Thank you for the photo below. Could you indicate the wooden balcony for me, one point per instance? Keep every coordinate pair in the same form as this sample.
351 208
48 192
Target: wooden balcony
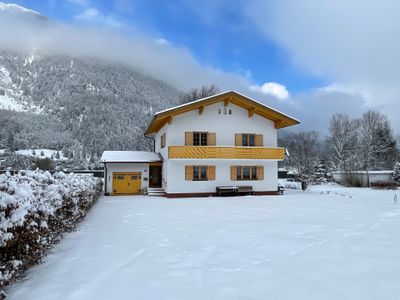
215 152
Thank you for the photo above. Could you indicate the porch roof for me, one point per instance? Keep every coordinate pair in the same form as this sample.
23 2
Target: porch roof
129 156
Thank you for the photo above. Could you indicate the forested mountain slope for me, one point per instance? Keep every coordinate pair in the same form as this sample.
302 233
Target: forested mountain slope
75 104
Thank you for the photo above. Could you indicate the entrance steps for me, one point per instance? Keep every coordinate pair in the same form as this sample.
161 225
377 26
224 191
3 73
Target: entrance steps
158 192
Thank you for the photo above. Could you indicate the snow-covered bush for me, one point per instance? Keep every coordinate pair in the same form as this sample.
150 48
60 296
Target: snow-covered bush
36 208
396 171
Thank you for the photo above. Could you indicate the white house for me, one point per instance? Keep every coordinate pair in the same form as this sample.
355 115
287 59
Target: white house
226 142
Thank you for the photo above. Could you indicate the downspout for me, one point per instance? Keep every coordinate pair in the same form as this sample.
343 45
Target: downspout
105 179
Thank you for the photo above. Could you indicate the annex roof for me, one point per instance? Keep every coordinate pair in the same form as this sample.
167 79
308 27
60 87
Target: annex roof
129 156
254 107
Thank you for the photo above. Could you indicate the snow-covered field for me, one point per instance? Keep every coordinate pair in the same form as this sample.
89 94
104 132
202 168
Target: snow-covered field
328 243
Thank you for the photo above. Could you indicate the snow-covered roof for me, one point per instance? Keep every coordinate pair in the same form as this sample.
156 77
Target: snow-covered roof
129 156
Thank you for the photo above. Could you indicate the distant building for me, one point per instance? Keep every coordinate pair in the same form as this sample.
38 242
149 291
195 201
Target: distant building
362 178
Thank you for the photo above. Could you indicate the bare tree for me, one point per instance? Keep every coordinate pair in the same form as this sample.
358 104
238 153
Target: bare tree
198 93
377 144
342 141
305 153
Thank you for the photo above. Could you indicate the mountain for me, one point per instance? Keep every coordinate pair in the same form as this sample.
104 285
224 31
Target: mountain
83 106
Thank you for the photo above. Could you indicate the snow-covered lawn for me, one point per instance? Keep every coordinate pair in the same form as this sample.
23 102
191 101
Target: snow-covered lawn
344 244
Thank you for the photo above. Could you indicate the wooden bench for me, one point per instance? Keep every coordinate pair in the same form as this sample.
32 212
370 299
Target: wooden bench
245 190
235 190
227 190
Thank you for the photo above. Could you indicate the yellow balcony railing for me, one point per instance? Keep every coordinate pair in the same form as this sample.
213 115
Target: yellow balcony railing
215 152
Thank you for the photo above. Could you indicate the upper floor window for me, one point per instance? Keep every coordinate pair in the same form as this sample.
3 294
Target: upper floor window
163 140
200 139
248 139
224 111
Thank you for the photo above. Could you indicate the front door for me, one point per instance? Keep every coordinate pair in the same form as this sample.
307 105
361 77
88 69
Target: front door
126 183
155 176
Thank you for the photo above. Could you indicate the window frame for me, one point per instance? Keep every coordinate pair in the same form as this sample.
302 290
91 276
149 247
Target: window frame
198 172
252 173
163 140
247 138
200 138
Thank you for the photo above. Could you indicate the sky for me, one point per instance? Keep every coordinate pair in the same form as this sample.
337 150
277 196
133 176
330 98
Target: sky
308 58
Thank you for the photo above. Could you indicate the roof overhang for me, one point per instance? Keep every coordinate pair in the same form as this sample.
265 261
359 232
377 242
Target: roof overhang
252 106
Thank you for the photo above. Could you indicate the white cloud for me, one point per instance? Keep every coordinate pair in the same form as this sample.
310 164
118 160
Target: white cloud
349 42
274 89
162 41
94 16
167 62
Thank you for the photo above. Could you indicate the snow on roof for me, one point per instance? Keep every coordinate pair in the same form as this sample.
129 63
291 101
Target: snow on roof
129 156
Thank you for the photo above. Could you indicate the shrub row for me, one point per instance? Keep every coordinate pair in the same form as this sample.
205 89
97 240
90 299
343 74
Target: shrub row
36 208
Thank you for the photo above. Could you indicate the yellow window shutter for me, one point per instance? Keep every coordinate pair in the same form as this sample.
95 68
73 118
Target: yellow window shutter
188 138
211 139
233 173
238 139
188 172
211 172
260 172
259 140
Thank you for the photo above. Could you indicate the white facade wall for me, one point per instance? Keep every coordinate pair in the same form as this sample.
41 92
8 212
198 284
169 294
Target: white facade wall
178 184
225 126
128 168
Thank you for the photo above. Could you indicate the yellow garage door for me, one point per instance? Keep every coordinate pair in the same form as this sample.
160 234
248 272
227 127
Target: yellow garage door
127 183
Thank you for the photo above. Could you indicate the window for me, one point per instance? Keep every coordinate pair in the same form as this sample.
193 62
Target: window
248 139
163 140
230 111
219 111
200 173
200 139
120 177
246 173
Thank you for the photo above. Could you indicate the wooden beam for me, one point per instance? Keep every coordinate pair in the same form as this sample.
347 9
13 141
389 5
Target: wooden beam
252 112
279 124
227 101
170 118
201 109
